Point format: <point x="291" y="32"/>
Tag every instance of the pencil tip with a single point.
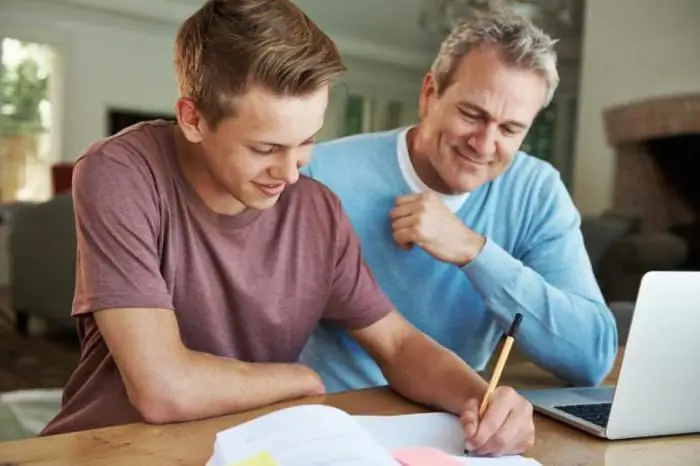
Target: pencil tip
<point x="516" y="323"/>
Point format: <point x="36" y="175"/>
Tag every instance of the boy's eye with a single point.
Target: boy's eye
<point x="264" y="151"/>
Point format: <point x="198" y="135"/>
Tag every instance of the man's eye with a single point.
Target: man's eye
<point x="510" y="131"/>
<point x="470" y="115"/>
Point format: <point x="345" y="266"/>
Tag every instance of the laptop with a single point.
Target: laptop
<point x="657" y="389"/>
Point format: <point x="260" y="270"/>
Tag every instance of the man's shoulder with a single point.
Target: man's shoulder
<point x="358" y="147"/>
<point x="531" y="189"/>
<point x="528" y="174"/>
<point x="535" y="192"/>
<point x="379" y="139"/>
<point x="343" y="163"/>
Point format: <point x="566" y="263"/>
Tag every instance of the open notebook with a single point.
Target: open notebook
<point x="318" y="435"/>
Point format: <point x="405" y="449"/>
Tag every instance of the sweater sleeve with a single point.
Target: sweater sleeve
<point x="567" y="328"/>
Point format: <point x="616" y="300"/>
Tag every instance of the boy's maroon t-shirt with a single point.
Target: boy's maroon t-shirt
<point x="251" y="286"/>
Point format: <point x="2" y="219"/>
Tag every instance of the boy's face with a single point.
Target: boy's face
<point x="254" y="154"/>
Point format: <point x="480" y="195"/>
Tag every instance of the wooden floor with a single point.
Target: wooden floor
<point x="39" y="361"/>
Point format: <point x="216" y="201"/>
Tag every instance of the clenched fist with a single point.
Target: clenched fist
<point x="423" y="220"/>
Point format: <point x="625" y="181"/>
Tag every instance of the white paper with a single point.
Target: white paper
<point x="437" y="430"/>
<point x="434" y="430"/>
<point x="312" y="435"/>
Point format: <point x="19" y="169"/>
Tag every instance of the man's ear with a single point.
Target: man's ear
<point x="191" y="122"/>
<point x="428" y="91"/>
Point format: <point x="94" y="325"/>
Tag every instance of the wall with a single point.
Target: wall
<point x="102" y="62"/>
<point x="632" y="49"/>
<point x="112" y="60"/>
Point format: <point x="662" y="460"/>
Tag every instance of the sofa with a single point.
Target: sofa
<point x="42" y="246"/>
<point x="621" y="253"/>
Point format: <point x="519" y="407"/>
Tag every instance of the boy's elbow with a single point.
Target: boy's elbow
<point x="158" y="405"/>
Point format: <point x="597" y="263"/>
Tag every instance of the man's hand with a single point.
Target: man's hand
<point x="507" y="426"/>
<point x="423" y="220"/>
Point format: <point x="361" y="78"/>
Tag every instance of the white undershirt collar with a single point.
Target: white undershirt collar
<point x="453" y="201"/>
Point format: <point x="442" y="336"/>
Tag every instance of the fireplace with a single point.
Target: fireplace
<point x="657" y="157"/>
<point x="677" y="158"/>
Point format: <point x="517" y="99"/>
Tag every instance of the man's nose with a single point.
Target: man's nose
<point x="485" y="140"/>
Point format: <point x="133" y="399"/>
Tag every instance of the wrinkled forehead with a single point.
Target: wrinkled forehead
<point x="483" y="79"/>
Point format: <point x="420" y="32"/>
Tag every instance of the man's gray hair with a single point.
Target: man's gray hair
<point x="520" y="43"/>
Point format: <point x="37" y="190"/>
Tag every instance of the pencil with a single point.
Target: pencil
<point x="500" y="364"/>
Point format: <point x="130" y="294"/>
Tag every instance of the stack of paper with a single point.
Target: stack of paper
<point x="317" y="435"/>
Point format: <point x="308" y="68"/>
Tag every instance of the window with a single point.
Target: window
<point x="27" y="147"/>
<point x="552" y="134"/>
<point x="539" y="141"/>
<point x="367" y="114"/>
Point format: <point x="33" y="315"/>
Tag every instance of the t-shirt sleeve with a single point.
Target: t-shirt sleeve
<point x="356" y="301"/>
<point x="117" y="217"/>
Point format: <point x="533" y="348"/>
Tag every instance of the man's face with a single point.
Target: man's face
<point x="471" y="132"/>
<point x="253" y="155"/>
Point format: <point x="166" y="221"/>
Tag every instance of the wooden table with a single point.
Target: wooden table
<point x="191" y="443"/>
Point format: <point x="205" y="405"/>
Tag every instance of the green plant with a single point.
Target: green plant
<point x="22" y="89"/>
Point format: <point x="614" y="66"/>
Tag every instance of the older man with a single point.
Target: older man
<point x="460" y="228"/>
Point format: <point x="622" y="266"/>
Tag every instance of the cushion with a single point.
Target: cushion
<point x="599" y="233"/>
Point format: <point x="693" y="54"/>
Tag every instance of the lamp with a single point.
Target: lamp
<point x="557" y="17"/>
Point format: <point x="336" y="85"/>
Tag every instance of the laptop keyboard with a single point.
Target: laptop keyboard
<point x="596" y="413"/>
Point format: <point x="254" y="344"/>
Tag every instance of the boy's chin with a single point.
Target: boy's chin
<point x="262" y="203"/>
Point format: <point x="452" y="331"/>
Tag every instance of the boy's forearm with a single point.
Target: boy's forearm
<point x="207" y="386"/>
<point x="432" y="375"/>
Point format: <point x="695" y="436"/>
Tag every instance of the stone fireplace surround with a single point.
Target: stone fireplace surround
<point x="635" y="130"/>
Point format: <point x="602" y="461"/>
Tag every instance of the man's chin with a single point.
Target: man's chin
<point x="460" y="179"/>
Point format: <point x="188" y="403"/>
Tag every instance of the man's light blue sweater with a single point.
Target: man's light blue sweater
<point x="534" y="262"/>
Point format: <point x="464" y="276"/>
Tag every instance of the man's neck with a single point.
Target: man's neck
<point x="197" y="174"/>
<point x="418" y="153"/>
